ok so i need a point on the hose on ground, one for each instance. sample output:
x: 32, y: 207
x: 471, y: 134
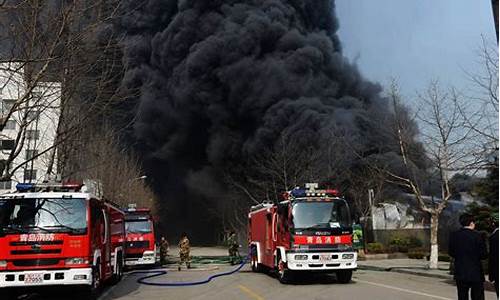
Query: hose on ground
x: 153, y: 274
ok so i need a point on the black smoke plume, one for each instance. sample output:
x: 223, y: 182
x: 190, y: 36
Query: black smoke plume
x: 220, y: 81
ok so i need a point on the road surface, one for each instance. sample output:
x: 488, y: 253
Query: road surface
x: 251, y: 286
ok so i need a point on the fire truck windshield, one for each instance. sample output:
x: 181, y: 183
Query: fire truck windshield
x: 321, y: 214
x: 138, y: 226
x: 46, y: 214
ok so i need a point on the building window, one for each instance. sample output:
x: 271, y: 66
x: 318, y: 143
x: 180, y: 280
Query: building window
x: 3, y: 164
x: 31, y: 153
x: 5, y: 185
x: 7, y: 105
x: 10, y: 124
x: 36, y: 95
x: 6, y: 144
x: 32, y: 134
x: 29, y: 175
x: 33, y: 115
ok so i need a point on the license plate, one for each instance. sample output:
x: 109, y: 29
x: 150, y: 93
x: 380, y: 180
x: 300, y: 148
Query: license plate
x: 325, y: 257
x: 33, y: 278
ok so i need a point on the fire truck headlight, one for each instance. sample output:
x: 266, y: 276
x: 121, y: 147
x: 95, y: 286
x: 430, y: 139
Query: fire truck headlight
x: 3, y: 264
x: 300, y: 257
x: 149, y: 254
x: 347, y: 256
x: 76, y: 261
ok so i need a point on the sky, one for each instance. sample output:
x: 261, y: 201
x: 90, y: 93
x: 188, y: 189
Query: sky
x: 415, y: 41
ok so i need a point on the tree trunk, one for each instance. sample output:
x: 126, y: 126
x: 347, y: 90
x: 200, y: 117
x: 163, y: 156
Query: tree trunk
x: 433, y: 263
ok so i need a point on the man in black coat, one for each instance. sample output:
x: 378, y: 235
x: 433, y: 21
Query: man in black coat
x: 468, y: 248
x: 493, y: 260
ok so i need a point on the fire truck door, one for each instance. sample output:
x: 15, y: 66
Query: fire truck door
x: 275, y: 227
x: 269, y: 229
x: 106, y: 243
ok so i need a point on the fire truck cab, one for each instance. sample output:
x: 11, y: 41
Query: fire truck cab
x: 140, y: 248
x: 309, y: 231
x: 59, y: 235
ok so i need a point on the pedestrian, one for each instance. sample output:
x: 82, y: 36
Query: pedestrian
x: 468, y: 248
x: 493, y: 259
x: 164, y: 247
x: 184, y: 250
x: 234, y: 253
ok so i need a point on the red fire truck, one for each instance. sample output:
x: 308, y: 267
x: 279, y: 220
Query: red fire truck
x: 140, y: 248
x: 59, y: 235
x: 310, y: 230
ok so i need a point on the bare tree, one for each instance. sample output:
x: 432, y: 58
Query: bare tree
x: 118, y: 171
x: 60, y: 60
x: 360, y: 182
x: 281, y: 168
x: 481, y: 112
x: 449, y: 146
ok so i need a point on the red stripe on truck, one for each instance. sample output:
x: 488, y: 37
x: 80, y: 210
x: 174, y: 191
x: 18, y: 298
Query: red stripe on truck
x: 317, y: 240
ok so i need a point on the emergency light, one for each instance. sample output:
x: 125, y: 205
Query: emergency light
x: 24, y: 187
x: 131, y: 207
x: 300, y: 193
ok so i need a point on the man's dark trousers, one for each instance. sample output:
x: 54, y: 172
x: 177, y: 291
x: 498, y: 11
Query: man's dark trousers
x: 476, y: 290
x: 468, y: 248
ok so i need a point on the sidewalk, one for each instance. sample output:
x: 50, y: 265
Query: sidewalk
x: 206, y: 251
x: 414, y: 267
x: 408, y: 266
x: 201, y: 257
x: 203, y: 251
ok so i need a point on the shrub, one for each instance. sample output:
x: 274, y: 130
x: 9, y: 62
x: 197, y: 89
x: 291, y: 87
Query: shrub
x: 392, y: 249
x: 400, y: 244
x: 375, y: 248
x: 417, y: 253
x: 444, y: 257
x: 414, y: 242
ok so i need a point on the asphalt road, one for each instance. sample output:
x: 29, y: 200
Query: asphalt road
x: 252, y: 286
x: 248, y: 285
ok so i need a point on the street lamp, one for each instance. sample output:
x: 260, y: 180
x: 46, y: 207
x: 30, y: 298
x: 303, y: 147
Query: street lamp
x: 129, y: 187
x: 138, y: 178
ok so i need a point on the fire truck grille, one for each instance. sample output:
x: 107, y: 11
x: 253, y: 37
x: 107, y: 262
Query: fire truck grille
x: 36, y: 251
x: 36, y: 243
x: 36, y: 262
x: 134, y: 255
x: 138, y: 244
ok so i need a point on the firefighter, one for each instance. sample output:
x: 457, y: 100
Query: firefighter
x: 234, y: 254
x: 164, y: 247
x: 184, y: 250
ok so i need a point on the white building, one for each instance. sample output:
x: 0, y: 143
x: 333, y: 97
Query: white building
x: 29, y: 134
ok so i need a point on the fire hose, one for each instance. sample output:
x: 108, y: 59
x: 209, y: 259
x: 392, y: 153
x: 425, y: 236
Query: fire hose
x: 153, y: 274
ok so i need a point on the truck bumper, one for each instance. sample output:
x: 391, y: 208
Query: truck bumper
x: 32, y: 278
x: 148, y: 258
x: 322, y: 261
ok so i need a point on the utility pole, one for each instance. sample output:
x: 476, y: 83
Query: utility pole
x: 494, y: 6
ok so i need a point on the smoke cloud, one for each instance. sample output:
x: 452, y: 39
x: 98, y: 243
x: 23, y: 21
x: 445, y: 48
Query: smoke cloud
x: 219, y: 81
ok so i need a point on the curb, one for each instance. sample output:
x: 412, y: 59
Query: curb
x: 405, y: 271
x: 424, y: 274
x: 373, y: 268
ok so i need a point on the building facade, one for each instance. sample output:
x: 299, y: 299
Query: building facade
x: 30, y: 112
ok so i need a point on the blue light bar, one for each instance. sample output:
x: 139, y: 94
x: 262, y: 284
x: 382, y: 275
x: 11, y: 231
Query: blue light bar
x: 23, y: 187
x: 298, y: 192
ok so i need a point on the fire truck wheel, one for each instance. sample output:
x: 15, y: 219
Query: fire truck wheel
x: 344, y: 276
x: 256, y: 267
x: 284, y: 275
x: 119, y: 272
x: 92, y: 292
